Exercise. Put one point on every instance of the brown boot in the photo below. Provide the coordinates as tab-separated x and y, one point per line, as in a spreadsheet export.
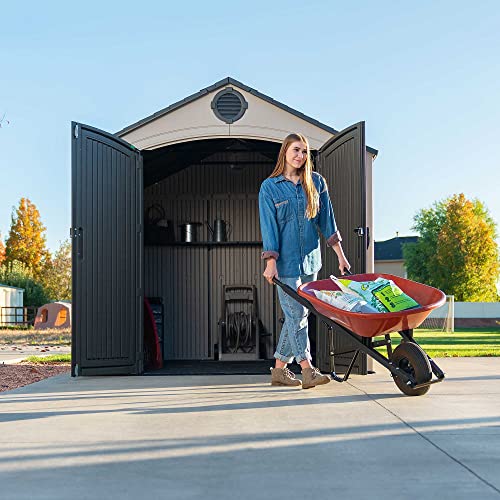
311	377
283	376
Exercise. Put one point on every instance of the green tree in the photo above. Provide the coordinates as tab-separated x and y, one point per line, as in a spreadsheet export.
26	241
56	274
18	274
456	251
420	257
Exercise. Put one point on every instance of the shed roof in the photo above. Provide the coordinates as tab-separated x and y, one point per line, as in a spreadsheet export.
8	286
392	249
236	83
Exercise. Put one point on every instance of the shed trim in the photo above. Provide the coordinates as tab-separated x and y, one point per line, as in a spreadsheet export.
236	83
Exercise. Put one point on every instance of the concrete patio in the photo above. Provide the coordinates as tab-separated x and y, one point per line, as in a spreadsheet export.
226	437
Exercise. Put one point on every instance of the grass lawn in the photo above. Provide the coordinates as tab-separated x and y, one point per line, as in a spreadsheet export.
45	360
465	342
56	336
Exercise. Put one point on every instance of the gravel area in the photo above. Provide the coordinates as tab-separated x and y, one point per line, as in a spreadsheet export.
21	374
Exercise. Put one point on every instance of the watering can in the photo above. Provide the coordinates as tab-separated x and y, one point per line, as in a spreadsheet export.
220	230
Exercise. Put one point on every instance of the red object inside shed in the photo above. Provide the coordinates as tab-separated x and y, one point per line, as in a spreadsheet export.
152	349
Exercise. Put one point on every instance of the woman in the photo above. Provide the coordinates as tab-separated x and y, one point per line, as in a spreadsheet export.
294	204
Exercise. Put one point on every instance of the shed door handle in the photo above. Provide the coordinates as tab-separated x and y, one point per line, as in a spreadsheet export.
78	235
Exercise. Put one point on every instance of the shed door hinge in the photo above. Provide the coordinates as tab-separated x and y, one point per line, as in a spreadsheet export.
76	131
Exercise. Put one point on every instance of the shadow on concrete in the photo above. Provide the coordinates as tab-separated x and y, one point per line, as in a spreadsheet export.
390	430
202	408
339	462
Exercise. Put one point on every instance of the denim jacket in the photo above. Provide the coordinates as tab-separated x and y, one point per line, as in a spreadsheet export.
287	235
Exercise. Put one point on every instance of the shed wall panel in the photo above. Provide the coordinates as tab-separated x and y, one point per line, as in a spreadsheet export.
241	266
180	276
212	178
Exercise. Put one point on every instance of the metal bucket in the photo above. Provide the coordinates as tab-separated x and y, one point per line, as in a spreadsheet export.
189	232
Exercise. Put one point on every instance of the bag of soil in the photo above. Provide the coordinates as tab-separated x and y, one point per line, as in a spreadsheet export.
345	301
382	294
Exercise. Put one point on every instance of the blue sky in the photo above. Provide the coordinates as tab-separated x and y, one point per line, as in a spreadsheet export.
423	75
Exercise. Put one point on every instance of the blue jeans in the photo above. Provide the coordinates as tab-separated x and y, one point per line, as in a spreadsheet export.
294	341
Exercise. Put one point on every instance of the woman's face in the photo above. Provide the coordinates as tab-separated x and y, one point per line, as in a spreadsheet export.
296	154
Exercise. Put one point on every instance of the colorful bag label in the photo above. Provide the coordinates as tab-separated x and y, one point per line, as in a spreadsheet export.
382	294
393	298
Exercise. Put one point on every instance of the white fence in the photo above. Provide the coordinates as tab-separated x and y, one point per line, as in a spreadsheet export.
469	310
463	314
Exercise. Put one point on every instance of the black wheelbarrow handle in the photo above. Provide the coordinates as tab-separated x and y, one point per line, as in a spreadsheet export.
293	293
301	300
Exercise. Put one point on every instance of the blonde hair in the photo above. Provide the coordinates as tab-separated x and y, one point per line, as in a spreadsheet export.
305	173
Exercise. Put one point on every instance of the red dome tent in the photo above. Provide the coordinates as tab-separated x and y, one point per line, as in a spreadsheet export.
53	315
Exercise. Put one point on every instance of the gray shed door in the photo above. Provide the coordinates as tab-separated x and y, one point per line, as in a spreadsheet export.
341	161
107	215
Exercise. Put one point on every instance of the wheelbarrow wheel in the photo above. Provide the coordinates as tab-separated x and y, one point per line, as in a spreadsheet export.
410	358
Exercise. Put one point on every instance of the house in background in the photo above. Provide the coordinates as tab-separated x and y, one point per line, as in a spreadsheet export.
389	255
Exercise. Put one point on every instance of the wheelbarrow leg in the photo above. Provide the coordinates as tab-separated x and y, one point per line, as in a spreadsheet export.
332	354
333	374
348	372
388	344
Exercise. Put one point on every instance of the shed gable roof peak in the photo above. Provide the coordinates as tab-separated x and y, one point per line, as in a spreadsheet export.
216	86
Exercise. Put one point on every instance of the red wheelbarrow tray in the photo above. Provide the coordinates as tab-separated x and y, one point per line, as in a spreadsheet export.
373	324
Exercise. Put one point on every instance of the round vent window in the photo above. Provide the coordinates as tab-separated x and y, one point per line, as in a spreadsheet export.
229	105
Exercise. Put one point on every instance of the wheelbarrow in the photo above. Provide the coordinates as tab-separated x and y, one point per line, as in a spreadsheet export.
412	369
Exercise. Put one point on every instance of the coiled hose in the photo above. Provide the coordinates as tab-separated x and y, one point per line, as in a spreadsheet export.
239	332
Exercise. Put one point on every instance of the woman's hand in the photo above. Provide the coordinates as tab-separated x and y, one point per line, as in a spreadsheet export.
343	262
270	272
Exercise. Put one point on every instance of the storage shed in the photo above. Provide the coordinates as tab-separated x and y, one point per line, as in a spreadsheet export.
167	209
11	305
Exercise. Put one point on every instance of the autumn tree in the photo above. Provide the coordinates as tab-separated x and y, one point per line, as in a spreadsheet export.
26	241
2	251
456	251
56	274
